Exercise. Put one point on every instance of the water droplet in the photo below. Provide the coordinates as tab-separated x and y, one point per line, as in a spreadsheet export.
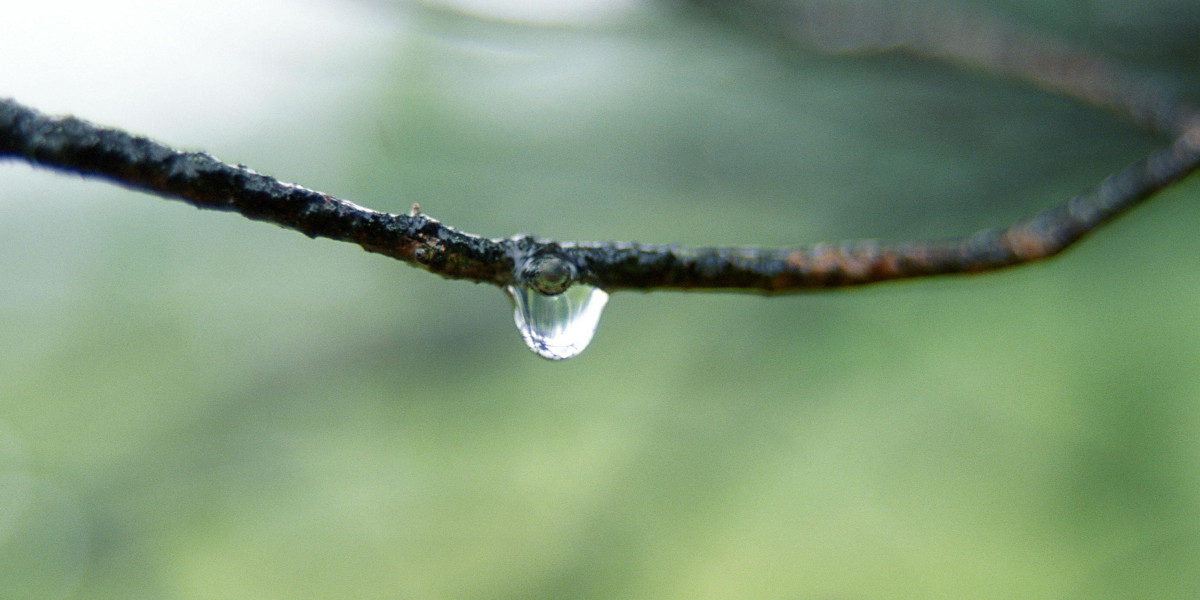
557	326
548	273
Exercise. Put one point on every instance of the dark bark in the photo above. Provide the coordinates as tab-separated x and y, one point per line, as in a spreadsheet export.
75	146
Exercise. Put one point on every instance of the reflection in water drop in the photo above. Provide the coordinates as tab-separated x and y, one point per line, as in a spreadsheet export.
561	325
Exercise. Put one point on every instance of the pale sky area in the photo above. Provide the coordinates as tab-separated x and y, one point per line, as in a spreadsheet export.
542	11
144	63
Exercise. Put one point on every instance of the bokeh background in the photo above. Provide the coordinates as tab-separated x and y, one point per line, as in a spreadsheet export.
194	405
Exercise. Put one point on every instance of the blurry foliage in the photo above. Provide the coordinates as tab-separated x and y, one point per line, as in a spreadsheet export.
193	405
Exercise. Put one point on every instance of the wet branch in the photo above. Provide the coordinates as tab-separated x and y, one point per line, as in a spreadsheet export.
75	146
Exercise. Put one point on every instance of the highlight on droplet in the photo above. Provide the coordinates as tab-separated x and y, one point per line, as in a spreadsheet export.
557	326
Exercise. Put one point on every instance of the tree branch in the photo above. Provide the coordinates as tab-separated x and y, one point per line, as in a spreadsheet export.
75	146
967	39
618	266
72	145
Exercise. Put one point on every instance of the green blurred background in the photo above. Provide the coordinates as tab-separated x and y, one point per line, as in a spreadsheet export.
194	405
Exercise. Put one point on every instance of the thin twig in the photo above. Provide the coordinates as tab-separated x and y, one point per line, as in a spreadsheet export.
968	39
861	262
75	146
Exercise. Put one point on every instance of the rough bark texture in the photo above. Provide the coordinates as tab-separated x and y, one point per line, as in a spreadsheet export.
75	146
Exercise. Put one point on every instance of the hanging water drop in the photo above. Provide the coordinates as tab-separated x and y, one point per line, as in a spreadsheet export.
556	315
561	325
